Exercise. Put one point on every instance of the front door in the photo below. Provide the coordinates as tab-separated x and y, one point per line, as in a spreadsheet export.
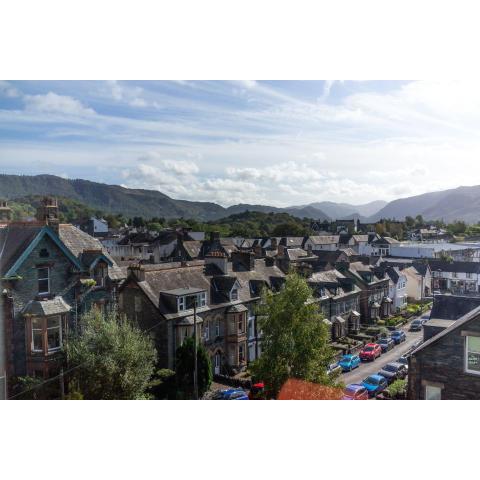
217	363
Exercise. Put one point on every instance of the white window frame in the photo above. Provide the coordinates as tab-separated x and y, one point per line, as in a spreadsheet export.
234	294
467	370
39	279
217	328
47	328
41	329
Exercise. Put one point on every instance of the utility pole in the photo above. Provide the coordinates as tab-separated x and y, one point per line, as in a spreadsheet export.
195	370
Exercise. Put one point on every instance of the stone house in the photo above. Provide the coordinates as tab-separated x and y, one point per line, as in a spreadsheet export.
161	299
47	270
447	365
374	300
460	278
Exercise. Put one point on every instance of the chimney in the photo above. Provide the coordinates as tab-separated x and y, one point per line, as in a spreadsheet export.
243	259
5	212
219	259
47	212
273	243
309	250
214	237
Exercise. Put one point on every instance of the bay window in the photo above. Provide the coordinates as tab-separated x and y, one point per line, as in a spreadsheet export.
46	334
187	302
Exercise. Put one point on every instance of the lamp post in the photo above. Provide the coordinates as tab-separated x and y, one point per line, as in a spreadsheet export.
195	370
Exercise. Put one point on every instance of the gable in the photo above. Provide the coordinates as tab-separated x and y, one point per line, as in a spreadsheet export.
44	233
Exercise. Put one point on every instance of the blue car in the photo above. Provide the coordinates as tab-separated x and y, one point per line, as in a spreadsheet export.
231	394
349	362
375	384
398	336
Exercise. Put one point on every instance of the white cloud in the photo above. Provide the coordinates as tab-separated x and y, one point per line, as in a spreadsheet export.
7	90
53	103
132	96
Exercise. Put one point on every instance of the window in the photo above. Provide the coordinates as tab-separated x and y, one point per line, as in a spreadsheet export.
43	253
454	274
100	275
54	334
187	302
43	275
433	392
241	324
469	275
46	334
217	328
472	357
241	354
37	335
234	294
207	329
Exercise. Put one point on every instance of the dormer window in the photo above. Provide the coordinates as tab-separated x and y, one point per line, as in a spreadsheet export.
234	294
100	274
44	253
187	302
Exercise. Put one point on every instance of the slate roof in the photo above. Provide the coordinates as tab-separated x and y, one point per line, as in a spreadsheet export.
193	248
14	239
167	277
458	267
292	242
452	307
42	308
296	253
324	239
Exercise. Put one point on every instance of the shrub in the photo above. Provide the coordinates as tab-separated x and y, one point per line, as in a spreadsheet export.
398	389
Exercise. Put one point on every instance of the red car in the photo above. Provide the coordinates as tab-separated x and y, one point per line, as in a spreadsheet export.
257	391
370	351
355	391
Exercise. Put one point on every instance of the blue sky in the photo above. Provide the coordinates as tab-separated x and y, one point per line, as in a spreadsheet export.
271	142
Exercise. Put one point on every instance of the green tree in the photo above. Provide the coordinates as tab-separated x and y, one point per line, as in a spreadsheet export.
295	340
110	358
185	357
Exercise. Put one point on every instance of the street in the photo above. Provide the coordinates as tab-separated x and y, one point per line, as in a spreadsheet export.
368	368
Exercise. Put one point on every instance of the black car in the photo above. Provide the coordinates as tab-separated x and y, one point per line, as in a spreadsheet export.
393	371
386	344
416	325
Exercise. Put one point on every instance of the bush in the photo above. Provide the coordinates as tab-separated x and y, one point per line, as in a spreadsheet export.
398	389
163	385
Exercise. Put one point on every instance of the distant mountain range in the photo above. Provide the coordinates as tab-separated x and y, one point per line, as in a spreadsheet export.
461	203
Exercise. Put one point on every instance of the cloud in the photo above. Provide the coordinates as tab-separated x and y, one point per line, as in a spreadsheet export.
132	96
7	90
53	103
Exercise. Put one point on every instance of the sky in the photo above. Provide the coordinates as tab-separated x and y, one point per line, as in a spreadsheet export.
277	143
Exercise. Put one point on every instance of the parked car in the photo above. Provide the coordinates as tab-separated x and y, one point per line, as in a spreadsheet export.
334	368
393	371
257	391
398	336
355	391
375	384
386	344
370	351
404	361
231	394
348	362
416	325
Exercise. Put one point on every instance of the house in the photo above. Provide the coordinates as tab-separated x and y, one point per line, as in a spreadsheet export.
322	242
447	365
187	249
96	227
357	242
50	273
455	277
374	300
339	300
381	246
397	286
161	299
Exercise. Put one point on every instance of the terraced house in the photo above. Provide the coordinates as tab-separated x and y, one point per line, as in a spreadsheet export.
216	293
50	273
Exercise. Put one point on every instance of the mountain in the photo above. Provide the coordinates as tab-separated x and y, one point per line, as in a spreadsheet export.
462	203
345	210
131	202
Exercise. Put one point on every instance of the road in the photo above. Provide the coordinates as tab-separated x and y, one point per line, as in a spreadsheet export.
368	368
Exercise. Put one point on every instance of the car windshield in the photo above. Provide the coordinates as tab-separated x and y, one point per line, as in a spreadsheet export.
402	360
396	333
390	368
416	322
371	380
368	349
346	359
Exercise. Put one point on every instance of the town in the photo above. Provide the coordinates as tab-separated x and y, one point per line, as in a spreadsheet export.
399	303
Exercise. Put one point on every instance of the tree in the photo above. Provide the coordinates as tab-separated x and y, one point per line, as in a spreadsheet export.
185	357
110	358
409	221
295	340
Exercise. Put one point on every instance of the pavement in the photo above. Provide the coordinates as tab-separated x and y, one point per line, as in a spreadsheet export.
369	368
